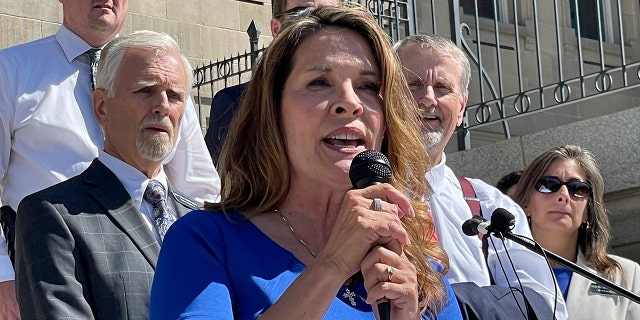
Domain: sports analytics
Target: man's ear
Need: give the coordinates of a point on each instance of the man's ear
(275, 26)
(463, 104)
(99, 105)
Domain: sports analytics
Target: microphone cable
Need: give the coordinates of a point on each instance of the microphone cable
(506, 221)
(555, 282)
(501, 224)
(504, 272)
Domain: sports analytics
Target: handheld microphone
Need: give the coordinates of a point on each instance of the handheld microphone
(369, 168)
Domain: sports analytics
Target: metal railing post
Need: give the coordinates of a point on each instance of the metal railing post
(254, 35)
(464, 139)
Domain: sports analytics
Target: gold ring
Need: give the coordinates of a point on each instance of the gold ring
(377, 204)
(390, 272)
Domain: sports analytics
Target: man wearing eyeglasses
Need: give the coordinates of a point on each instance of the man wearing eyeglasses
(226, 101)
(438, 75)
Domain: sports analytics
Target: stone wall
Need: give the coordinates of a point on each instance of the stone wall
(205, 31)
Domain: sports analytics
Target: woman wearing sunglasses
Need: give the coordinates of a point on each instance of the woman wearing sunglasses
(561, 192)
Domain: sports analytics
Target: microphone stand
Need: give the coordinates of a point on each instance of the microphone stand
(529, 244)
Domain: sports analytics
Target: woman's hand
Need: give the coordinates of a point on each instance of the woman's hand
(359, 228)
(392, 277)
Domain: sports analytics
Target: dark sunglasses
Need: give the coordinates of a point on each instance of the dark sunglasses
(577, 188)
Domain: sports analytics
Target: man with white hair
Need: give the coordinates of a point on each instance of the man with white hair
(438, 74)
(47, 130)
(86, 248)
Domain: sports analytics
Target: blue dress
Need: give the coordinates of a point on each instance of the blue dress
(211, 267)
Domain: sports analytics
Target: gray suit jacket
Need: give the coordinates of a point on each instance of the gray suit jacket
(83, 250)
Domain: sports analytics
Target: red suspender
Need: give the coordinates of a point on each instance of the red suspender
(474, 204)
(470, 195)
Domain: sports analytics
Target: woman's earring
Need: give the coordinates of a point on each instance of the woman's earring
(585, 226)
(529, 220)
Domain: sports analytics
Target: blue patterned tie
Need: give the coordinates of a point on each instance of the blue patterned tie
(155, 195)
(94, 57)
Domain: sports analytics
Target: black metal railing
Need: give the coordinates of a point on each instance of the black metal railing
(227, 72)
(524, 62)
(397, 17)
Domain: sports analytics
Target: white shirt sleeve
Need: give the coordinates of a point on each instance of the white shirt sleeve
(6, 269)
(190, 168)
(532, 269)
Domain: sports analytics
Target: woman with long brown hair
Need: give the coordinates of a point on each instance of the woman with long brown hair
(561, 192)
(289, 231)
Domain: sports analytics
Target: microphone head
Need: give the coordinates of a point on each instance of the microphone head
(368, 168)
(502, 220)
(470, 227)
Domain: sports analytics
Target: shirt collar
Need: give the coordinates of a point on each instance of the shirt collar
(437, 172)
(131, 178)
(72, 45)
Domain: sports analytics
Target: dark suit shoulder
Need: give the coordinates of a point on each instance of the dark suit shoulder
(233, 92)
(94, 190)
(223, 107)
(97, 175)
(69, 189)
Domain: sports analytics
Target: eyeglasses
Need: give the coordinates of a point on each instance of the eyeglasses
(577, 188)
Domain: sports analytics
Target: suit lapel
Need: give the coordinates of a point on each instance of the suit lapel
(181, 202)
(578, 288)
(105, 187)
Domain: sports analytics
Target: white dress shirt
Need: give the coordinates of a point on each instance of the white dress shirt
(135, 182)
(466, 260)
(48, 132)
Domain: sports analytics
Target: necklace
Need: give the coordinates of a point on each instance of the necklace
(295, 233)
(349, 293)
